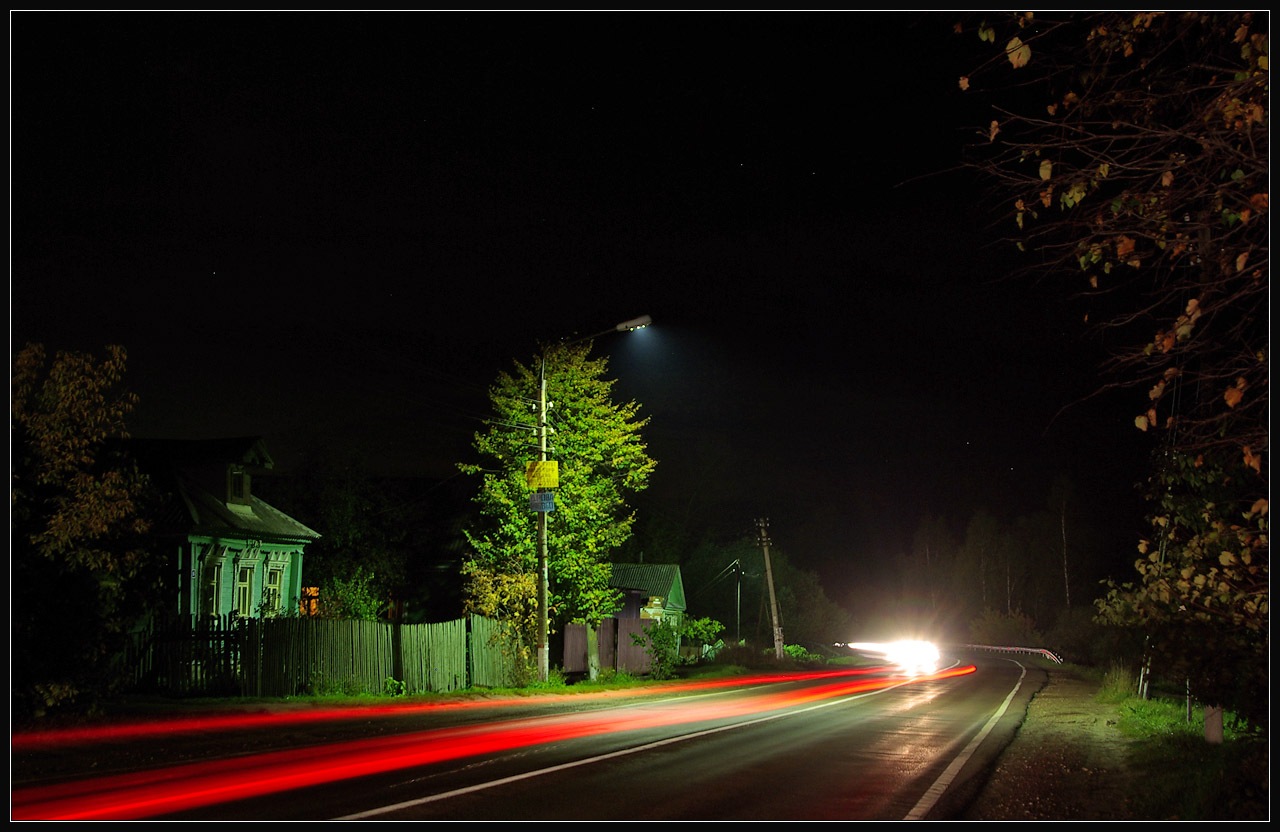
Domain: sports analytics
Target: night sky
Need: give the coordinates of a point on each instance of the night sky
(335, 229)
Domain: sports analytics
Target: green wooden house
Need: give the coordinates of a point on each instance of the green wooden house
(234, 554)
(651, 591)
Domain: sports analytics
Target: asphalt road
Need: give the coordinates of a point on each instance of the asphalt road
(850, 746)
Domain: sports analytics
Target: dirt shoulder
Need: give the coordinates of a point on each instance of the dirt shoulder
(1068, 761)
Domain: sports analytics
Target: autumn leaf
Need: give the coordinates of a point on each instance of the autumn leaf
(964, 83)
(1124, 246)
(1046, 170)
(1166, 178)
(1018, 52)
(1252, 460)
(1156, 392)
(1241, 260)
(1235, 394)
(995, 128)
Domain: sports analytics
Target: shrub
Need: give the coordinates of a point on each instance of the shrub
(1118, 684)
(800, 654)
(660, 641)
(1007, 630)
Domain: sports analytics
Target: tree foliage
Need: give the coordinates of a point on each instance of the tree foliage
(727, 581)
(364, 548)
(661, 641)
(602, 460)
(1202, 592)
(358, 597)
(1130, 153)
(81, 570)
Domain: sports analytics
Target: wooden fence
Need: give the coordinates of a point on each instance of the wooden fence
(618, 649)
(226, 656)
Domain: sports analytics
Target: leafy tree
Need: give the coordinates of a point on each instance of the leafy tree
(1130, 151)
(727, 582)
(809, 616)
(927, 569)
(602, 460)
(357, 597)
(82, 574)
(724, 581)
(661, 642)
(1007, 629)
(1203, 589)
(978, 561)
(364, 530)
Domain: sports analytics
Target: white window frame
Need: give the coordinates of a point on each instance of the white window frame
(273, 588)
(244, 590)
(211, 590)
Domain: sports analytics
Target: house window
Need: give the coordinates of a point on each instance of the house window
(237, 486)
(271, 592)
(244, 583)
(309, 603)
(209, 593)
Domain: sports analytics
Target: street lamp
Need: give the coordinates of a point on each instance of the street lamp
(543, 505)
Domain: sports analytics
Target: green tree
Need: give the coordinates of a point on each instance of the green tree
(601, 459)
(1130, 151)
(364, 529)
(82, 572)
(357, 597)
(811, 618)
(661, 641)
(978, 560)
(1202, 594)
(927, 569)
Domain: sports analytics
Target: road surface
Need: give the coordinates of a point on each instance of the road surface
(823, 745)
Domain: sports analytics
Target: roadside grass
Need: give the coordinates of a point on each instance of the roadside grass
(1185, 777)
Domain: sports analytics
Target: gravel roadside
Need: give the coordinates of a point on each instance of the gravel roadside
(1068, 761)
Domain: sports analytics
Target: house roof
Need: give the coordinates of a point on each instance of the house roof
(661, 579)
(188, 473)
(261, 520)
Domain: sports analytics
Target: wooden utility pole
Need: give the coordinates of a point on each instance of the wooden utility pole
(544, 624)
(763, 525)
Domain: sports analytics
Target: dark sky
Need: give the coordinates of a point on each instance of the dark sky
(336, 229)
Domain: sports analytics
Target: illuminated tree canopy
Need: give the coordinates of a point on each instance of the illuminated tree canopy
(601, 459)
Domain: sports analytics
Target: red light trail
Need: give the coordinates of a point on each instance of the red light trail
(155, 792)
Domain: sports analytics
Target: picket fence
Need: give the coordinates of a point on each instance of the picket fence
(229, 656)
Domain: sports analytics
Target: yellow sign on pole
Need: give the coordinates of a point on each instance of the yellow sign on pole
(542, 474)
